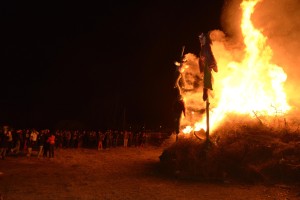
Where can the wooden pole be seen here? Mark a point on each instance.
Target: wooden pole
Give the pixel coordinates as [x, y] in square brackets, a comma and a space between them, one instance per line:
[207, 119]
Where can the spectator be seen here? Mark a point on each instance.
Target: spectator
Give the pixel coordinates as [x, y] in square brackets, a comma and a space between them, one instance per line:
[126, 136]
[51, 141]
[10, 140]
[46, 144]
[17, 140]
[100, 140]
[3, 143]
[41, 141]
[32, 141]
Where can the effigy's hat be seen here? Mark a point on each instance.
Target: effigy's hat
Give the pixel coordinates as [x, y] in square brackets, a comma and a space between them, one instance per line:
[202, 35]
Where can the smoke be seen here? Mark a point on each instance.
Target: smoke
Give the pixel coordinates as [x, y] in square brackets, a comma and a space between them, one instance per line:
[279, 21]
[231, 20]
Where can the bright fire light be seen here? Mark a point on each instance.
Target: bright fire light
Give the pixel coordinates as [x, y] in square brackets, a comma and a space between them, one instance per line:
[252, 85]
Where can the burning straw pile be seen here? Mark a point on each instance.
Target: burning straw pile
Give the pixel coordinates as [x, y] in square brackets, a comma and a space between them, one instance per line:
[247, 152]
[265, 148]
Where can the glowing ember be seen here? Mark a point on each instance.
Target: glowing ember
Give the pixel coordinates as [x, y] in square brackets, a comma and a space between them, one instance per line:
[251, 85]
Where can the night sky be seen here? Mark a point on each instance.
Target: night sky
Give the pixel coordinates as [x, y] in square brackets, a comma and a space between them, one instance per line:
[92, 65]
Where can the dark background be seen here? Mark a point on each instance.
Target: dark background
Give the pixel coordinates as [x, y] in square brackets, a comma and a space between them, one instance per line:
[92, 65]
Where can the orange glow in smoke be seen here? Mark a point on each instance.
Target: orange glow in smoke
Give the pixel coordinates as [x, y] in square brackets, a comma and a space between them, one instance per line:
[252, 85]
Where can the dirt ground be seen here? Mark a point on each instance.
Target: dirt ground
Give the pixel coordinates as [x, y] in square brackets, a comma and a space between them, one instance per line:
[116, 173]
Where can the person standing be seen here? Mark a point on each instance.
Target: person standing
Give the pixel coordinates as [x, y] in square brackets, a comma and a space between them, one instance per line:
[41, 141]
[76, 138]
[51, 141]
[3, 143]
[17, 136]
[130, 138]
[115, 136]
[100, 140]
[32, 141]
[10, 140]
[126, 136]
[46, 145]
[26, 137]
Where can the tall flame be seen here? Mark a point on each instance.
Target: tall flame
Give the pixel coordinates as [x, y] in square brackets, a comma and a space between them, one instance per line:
[250, 86]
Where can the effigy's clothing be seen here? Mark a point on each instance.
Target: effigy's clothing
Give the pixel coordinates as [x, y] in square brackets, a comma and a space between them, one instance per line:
[207, 62]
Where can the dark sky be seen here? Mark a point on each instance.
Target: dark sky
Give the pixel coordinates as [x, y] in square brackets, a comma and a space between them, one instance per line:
[86, 64]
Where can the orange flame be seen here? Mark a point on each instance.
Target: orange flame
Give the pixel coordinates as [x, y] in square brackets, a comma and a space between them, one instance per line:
[250, 86]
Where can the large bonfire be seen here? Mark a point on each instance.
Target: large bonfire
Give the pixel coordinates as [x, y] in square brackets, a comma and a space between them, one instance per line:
[252, 139]
[249, 84]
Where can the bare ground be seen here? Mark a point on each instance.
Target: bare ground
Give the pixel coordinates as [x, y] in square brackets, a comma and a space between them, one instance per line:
[116, 173]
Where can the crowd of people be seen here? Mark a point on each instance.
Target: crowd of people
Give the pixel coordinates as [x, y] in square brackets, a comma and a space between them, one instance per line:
[44, 142]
